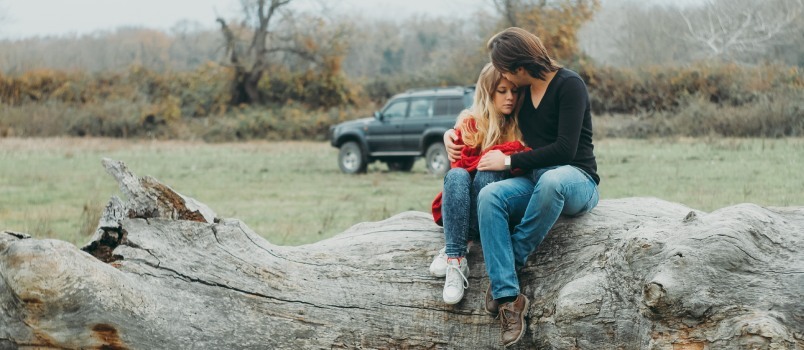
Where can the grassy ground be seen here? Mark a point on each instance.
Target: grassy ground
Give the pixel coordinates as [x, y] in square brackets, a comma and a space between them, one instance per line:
[293, 193]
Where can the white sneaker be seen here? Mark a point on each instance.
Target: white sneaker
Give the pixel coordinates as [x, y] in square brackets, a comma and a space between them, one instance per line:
[457, 270]
[438, 267]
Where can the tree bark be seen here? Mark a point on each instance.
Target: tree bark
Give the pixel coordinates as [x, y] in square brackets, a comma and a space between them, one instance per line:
[640, 273]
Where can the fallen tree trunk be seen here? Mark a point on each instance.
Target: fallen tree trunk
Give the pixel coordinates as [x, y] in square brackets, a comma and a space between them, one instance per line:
[162, 272]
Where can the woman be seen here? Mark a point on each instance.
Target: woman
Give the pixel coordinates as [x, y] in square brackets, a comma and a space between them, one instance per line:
[489, 125]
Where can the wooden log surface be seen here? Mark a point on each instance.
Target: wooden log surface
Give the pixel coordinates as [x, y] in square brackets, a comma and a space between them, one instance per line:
[162, 272]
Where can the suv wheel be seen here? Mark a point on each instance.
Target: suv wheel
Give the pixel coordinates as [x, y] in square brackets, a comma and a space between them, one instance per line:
[437, 160]
[401, 164]
[350, 158]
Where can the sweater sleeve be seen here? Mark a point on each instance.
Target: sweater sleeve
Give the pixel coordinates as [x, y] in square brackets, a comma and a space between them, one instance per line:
[572, 100]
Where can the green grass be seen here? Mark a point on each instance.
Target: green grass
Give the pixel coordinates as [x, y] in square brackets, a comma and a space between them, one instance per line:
[704, 174]
[293, 193]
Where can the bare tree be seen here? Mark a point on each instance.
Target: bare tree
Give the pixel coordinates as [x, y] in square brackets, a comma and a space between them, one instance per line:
[250, 63]
[633, 33]
[271, 33]
[740, 29]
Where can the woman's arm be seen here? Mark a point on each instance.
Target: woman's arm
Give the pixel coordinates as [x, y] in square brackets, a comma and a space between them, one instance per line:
[453, 148]
[452, 140]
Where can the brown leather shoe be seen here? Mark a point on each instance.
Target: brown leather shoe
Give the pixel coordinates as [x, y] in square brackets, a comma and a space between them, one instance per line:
[492, 306]
[512, 319]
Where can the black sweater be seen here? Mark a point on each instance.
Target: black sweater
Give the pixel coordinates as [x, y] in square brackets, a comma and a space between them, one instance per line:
[560, 129]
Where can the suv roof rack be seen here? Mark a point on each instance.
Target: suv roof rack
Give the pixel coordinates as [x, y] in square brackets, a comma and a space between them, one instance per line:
[436, 88]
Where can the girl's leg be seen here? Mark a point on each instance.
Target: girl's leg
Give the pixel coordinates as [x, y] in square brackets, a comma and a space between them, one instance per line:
[455, 209]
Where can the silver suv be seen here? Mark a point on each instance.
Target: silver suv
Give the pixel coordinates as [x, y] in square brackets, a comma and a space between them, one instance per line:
[410, 125]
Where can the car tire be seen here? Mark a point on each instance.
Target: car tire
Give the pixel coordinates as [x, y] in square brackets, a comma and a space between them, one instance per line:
[351, 159]
[401, 164]
[437, 159]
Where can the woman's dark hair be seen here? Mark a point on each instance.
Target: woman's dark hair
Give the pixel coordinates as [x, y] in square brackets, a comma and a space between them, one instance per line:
[515, 47]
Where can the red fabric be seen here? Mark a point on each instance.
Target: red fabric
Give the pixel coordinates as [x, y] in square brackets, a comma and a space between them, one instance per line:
[470, 157]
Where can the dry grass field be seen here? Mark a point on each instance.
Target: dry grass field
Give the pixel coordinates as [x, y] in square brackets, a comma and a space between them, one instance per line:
[293, 193]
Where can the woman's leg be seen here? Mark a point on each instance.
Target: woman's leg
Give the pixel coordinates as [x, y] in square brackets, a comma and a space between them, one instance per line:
[498, 205]
[481, 179]
[561, 190]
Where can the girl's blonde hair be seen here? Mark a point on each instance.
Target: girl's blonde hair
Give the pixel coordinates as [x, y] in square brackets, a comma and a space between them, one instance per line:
[492, 127]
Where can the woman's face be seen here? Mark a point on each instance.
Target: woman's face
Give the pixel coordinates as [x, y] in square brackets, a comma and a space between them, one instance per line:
[505, 96]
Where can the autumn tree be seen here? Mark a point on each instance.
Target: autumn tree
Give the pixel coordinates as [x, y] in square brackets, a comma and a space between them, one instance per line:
[556, 22]
[271, 34]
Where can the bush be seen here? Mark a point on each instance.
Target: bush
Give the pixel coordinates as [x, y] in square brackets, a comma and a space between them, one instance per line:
[288, 122]
[659, 89]
[727, 100]
[776, 113]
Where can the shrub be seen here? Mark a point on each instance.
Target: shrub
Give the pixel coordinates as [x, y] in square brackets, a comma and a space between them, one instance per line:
[727, 100]
[622, 90]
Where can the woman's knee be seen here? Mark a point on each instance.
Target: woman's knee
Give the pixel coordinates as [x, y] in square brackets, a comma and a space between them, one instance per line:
[551, 181]
[491, 195]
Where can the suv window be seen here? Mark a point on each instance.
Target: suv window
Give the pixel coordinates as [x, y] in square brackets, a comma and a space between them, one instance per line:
[421, 107]
[396, 109]
[441, 106]
[456, 105]
[451, 106]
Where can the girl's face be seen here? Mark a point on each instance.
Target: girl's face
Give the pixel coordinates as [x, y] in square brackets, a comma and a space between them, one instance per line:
[505, 96]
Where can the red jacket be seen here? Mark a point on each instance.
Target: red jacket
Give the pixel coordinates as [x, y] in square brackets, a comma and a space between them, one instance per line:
[469, 159]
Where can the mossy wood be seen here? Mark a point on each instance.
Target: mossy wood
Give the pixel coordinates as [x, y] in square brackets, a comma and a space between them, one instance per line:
[162, 272]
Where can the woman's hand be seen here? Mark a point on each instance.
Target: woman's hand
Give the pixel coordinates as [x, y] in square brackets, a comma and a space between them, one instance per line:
[453, 150]
[492, 161]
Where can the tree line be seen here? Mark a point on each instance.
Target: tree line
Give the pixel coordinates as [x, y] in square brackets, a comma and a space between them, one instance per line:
[636, 58]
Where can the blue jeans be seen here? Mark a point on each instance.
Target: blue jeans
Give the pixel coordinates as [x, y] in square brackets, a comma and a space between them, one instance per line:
[459, 206]
[515, 215]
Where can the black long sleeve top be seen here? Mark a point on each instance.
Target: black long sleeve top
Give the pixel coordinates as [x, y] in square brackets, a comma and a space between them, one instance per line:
[560, 129]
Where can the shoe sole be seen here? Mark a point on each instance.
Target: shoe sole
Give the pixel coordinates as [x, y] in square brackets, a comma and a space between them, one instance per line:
[451, 302]
[448, 302]
[522, 320]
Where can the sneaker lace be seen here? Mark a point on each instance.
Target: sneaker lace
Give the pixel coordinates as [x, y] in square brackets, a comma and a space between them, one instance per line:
[452, 281]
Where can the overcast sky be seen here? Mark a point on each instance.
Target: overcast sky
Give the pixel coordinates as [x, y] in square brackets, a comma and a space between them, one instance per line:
[25, 18]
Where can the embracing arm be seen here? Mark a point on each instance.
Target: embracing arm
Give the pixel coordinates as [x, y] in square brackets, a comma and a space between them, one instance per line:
[453, 147]
[453, 138]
